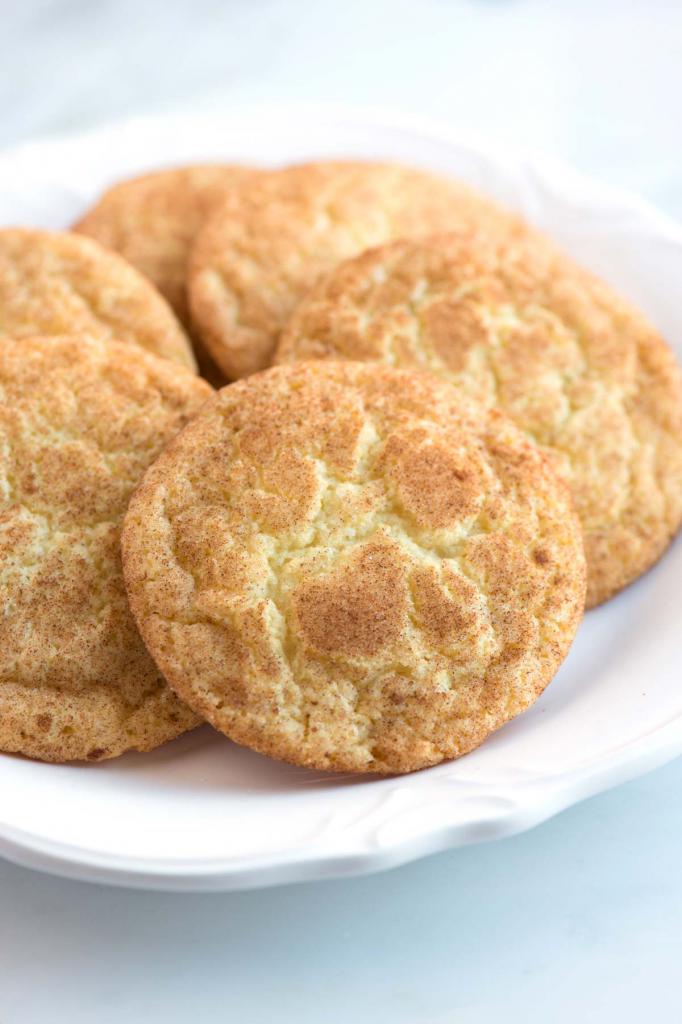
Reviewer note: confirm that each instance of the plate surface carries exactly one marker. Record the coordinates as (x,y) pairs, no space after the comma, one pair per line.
(203,814)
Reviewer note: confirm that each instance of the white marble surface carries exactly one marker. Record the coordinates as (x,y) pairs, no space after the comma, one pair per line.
(579,919)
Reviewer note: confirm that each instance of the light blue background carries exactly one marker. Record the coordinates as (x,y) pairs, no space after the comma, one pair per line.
(580,919)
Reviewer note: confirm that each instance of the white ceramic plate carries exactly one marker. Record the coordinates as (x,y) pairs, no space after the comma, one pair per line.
(203,814)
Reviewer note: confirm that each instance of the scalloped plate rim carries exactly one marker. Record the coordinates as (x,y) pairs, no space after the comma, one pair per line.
(223,874)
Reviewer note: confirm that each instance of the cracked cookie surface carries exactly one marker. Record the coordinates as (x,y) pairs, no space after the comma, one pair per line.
(516,324)
(80,421)
(352,567)
(267,245)
(152,221)
(55,282)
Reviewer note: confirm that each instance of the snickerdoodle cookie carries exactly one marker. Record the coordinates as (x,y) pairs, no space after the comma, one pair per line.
(60,283)
(80,421)
(352,567)
(264,248)
(152,220)
(516,324)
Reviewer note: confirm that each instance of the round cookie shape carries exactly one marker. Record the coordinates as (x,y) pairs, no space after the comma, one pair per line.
(152,221)
(516,324)
(263,249)
(80,421)
(351,567)
(60,283)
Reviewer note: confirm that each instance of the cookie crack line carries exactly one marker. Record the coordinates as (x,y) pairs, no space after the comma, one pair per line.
(393,519)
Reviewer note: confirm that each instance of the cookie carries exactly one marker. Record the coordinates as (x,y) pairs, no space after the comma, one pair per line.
(351,567)
(152,221)
(264,248)
(80,421)
(61,283)
(516,324)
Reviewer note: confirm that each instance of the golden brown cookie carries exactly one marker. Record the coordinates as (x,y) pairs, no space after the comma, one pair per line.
(152,221)
(518,325)
(80,421)
(264,248)
(60,283)
(351,567)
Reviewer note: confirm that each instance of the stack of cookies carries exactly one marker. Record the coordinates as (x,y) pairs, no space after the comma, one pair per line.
(436,441)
